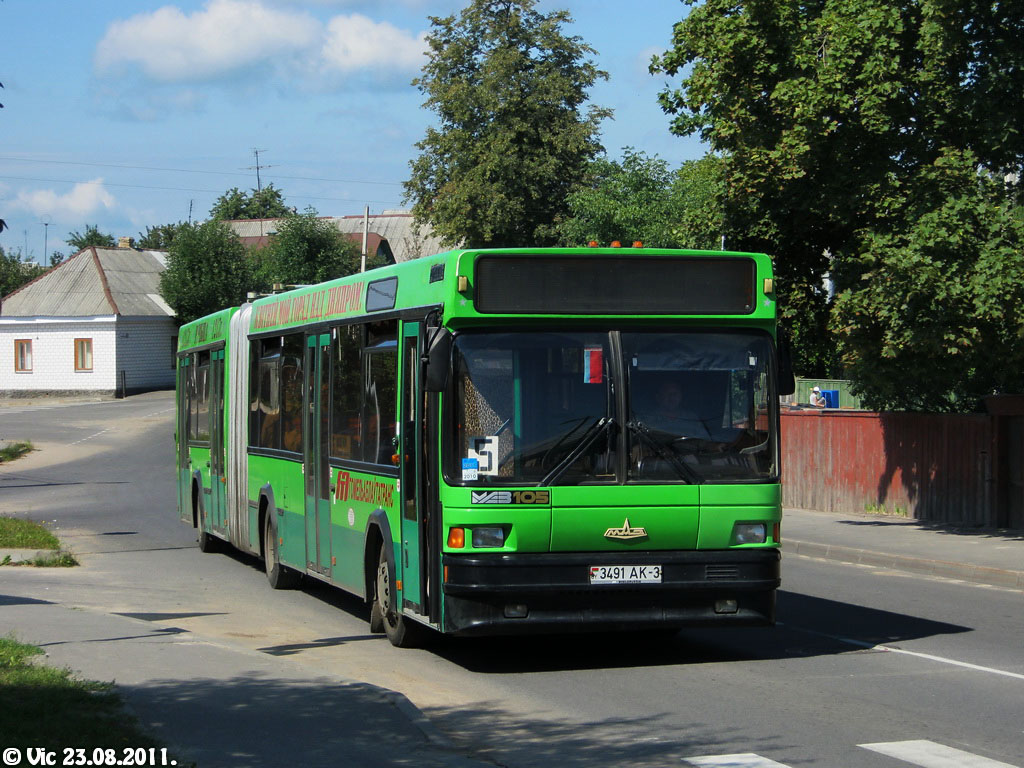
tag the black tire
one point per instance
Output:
(207, 541)
(401, 632)
(279, 576)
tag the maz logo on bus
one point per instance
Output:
(511, 497)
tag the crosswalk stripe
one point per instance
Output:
(929, 754)
(745, 760)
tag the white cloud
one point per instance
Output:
(85, 199)
(224, 38)
(356, 43)
(232, 38)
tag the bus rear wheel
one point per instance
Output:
(279, 576)
(401, 632)
(207, 541)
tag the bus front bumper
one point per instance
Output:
(552, 592)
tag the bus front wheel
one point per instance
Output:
(279, 576)
(402, 632)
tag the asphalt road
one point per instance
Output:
(861, 656)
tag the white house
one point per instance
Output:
(94, 324)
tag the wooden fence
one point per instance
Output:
(943, 468)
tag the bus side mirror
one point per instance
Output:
(438, 360)
(787, 382)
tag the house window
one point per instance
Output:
(23, 355)
(83, 354)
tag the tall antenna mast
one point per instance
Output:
(256, 152)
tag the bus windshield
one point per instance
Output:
(564, 408)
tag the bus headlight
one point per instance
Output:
(749, 533)
(488, 537)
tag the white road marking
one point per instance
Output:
(929, 754)
(90, 437)
(916, 654)
(744, 760)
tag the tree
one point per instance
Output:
(91, 236)
(14, 272)
(265, 203)
(513, 140)
(159, 238)
(934, 323)
(641, 198)
(825, 112)
(206, 271)
(306, 250)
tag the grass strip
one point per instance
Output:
(12, 451)
(43, 705)
(17, 533)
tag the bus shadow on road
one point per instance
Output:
(807, 626)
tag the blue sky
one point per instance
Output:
(124, 113)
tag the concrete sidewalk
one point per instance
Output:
(227, 706)
(970, 554)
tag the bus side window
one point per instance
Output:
(254, 392)
(380, 394)
(269, 435)
(291, 390)
(190, 396)
(202, 398)
(346, 392)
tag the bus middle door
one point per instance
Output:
(316, 466)
(218, 480)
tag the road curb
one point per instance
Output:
(997, 577)
(26, 555)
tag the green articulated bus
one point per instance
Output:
(500, 441)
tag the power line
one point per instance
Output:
(190, 189)
(190, 170)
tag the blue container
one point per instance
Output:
(831, 397)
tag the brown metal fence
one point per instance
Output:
(941, 468)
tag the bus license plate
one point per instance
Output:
(625, 574)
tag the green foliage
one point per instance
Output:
(934, 322)
(306, 250)
(642, 199)
(14, 272)
(49, 707)
(14, 450)
(18, 533)
(826, 114)
(513, 140)
(159, 238)
(206, 271)
(91, 236)
(265, 203)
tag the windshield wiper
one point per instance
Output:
(588, 438)
(684, 472)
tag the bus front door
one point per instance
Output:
(414, 588)
(315, 436)
(184, 464)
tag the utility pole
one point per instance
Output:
(366, 234)
(46, 219)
